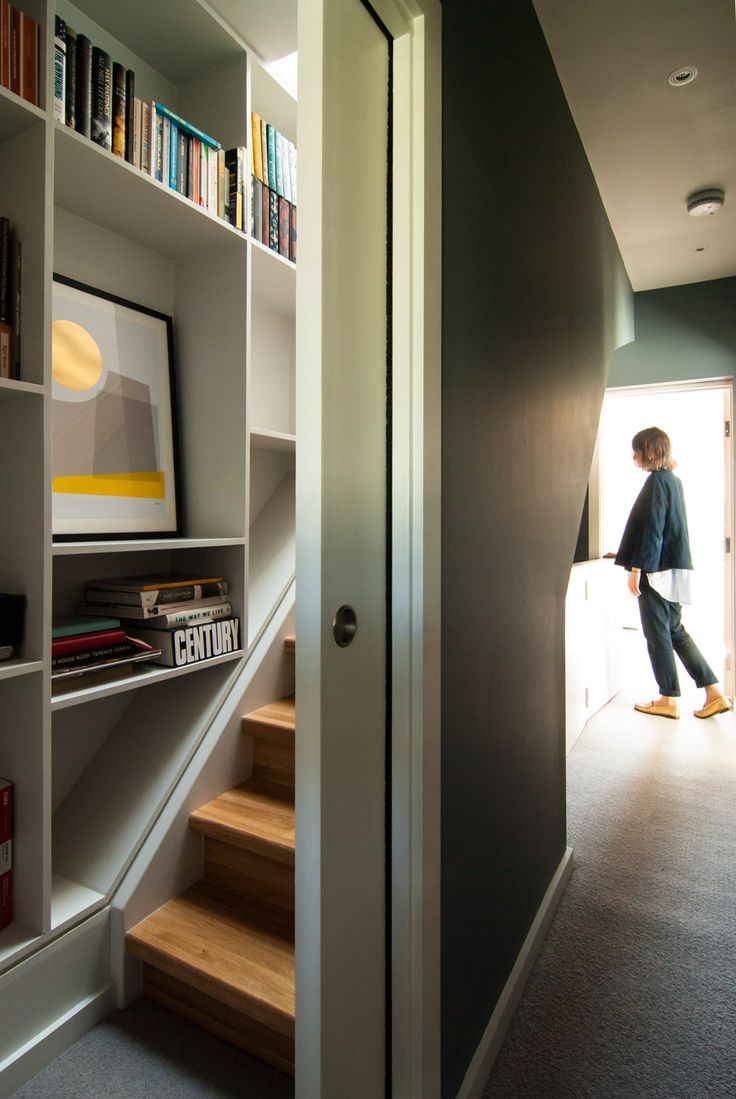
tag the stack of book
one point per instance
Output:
(187, 618)
(6, 852)
(273, 188)
(95, 96)
(85, 644)
(19, 52)
(9, 302)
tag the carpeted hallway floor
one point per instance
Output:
(633, 995)
(634, 992)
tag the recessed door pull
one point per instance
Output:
(344, 626)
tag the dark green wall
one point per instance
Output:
(534, 300)
(682, 333)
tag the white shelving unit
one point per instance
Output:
(93, 765)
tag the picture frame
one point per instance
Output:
(115, 469)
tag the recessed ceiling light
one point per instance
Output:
(684, 75)
(702, 203)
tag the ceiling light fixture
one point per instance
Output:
(702, 203)
(684, 75)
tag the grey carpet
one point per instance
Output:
(633, 994)
(147, 1051)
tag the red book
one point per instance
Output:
(15, 50)
(29, 36)
(283, 227)
(6, 852)
(5, 43)
(85, 642)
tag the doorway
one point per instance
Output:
(697, 417)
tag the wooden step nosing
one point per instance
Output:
(249, 841)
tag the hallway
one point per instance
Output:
(632, 995)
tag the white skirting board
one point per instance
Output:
(480, 1067)
(56, 995)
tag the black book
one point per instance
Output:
(101, 117)
(70, 91)
(129, 115)
(118, 110)
(292, 234)
(5, 312)
(83, 112)
(16, 273)
(273, 221)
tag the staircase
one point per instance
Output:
(222, 953)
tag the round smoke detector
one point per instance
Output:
(702, 203)
(684, 75)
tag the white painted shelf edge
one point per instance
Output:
(18, 666)
(153, 674)
(263, 439)
(71, 901)
(276, 256)
(18, 386)
(65, 549)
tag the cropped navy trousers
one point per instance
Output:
(665, 634)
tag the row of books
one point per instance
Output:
(272, 220)
(95, 96)
(183, 618)
(274, 158)
(6, 852)
(19, 52)
(10, 270)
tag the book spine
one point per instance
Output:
(166, 151)
(129, 114)
(212, 159)
(284, 227)
(255, 129)
(83, 113)
(157, 130)
(154, 596)
(191, 644)
(257, 186)
(4, 270)
(284, 158)
(292, 171)
(119, 113)
(235, 164)
(271, 156)
(17, 253)
(146, 137)
(60, 73)
(273, 221)
(101, 98)
(70, 90)
(292, 234)
(177, 618)
(92, 656)
(222, 186)
(137, 131)
(15, 50)
(6, 351)
(62, 646)
(123, 610)
(29, 69)
(173, 155)
(183, 181)
(6, 851)
(265, 207)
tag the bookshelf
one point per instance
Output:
(93, 764)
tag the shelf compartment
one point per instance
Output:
(10, 386)
(263, 439)
(16, 115)
(273, 280)
(9, 669)
(142, 210)
(70, 900)
(116, 765)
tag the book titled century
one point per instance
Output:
(191, 644)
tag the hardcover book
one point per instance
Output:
(292, 234)
(126, 610)
(101, 120)
(284, 227)
(119, 114)
(29, 58)
(257, 193)
(271, 155)
(70, 92)
(73, 625)
(181, 618)
(129, 113)
(59, 60)
(255, 127)
(265, 214)
(156, 596)
(83, 111)
(84, 642)
(139, 652)
(6, 851)
(59, 54)
(273, 221)
(93, 656)
(192, 644)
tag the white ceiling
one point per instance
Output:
(650, 145)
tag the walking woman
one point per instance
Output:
(655, 549)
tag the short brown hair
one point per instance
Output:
(655, 448)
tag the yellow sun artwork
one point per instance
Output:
(76, 360)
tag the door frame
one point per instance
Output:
(654, 388)
(413, 1005)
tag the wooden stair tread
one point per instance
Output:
(204, 939)
(249, 818)
(276, 715)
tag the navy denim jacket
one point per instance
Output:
(655, 537)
